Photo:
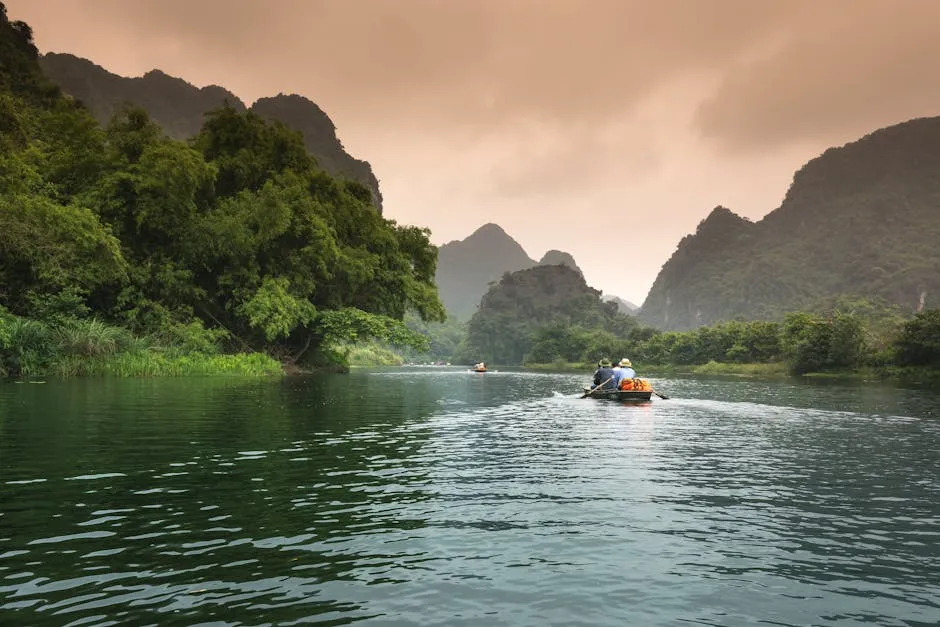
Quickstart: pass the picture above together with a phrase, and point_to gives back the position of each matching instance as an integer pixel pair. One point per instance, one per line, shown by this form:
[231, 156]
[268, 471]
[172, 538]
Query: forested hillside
[235, 240]
[860, 220]
[178, 108]
[542, 314]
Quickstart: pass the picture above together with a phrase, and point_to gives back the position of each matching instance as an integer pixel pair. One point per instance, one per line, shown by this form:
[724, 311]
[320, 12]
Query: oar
[662, 396]
[586, 394]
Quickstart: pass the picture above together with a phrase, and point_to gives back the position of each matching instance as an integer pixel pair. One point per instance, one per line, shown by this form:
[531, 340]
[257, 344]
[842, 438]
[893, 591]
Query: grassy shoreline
[88, 347]
[774, 370]
[155, 364]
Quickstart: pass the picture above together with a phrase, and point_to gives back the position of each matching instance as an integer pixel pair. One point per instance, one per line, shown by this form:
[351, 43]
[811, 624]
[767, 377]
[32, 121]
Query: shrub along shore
[74, 347]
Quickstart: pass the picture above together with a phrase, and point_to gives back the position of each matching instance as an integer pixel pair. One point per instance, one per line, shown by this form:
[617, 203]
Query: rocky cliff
[862, 219]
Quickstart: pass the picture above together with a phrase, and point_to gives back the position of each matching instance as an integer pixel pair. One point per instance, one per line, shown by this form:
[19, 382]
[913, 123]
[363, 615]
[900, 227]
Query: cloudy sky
[606, 128]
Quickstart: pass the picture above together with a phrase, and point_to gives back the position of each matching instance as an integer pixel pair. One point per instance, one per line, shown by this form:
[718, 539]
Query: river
[435, 496]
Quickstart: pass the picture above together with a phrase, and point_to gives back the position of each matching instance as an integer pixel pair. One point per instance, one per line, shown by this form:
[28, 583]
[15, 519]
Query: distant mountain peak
[296, 100]
[465, 268]
[624, 306]
[559, 258]
[721, 218]
[489, 230]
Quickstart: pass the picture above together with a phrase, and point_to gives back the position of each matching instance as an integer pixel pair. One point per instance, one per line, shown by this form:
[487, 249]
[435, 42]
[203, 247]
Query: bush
[191, 337]
[919, 343]
[26, 346]
[90, 338]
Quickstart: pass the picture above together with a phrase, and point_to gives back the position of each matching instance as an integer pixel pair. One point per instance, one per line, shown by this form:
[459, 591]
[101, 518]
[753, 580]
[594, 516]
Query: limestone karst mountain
[465, 268]
[862, 219]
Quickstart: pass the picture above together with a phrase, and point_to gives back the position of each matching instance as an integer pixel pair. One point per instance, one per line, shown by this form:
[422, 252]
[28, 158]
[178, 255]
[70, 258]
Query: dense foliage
[541, 312]
[237, 230]
[861, 219]
[548, 315]
[856, 334]
[179, 107]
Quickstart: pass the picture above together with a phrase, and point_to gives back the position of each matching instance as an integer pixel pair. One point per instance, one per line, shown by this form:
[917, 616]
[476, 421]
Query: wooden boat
[620, 395]
[479, 369]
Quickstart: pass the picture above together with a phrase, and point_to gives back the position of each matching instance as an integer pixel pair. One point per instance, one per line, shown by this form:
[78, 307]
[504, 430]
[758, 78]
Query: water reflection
[435, 496]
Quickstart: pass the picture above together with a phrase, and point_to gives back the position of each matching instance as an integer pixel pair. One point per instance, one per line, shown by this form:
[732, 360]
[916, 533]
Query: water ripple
[491, 500]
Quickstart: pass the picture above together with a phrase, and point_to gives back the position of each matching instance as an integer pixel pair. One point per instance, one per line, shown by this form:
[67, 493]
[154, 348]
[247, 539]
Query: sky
[605, 128]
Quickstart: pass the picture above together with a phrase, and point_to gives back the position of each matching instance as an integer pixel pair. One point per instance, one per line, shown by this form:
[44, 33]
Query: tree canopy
[238, 229]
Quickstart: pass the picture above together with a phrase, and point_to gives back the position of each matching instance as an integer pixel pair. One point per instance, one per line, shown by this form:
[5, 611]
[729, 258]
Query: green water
[428, 496]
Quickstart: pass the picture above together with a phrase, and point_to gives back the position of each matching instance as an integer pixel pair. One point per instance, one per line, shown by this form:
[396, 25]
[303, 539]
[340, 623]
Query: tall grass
[154, 364]
[26, 346]
[371, 354]
[90, 338]
[93, 348]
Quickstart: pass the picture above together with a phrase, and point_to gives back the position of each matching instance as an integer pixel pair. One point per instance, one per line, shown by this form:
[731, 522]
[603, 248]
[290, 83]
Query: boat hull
[620, 395]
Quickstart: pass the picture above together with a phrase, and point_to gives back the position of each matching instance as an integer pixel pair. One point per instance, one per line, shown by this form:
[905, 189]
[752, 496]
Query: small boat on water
[630, 390]
[620, 395]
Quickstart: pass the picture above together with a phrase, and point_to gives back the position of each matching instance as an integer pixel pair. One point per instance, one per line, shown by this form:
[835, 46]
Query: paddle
[662, 396]
[588, 393]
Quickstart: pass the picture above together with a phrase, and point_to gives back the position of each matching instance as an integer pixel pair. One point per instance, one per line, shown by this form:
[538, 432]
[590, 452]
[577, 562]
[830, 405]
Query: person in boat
[605, 376]
[480, 366]
[623, 370]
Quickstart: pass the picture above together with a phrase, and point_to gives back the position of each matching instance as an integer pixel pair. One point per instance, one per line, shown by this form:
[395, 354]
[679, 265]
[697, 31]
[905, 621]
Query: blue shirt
[603, 374]
[623, 373]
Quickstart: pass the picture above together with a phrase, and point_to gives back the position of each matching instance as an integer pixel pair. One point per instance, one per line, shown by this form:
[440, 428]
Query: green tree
[919, 342]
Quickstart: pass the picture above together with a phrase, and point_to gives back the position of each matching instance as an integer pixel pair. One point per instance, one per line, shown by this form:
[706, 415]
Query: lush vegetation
[548, 317]
[73, 346]
[542, 314]
[236, 233]
[861, 219]
[371, 354]
[856, 337]
[179, 108]
[444, 339]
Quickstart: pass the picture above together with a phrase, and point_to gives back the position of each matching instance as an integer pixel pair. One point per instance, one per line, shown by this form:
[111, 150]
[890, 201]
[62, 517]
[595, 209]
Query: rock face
[171, 102]
[320, 138]
[559, 258]
[862, 219]
[178, 107]
[466, 268]
[623, 306]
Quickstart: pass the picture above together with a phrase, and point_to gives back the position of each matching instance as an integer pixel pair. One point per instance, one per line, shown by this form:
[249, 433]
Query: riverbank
[151, 364]
[77, 348]
[774, 370]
